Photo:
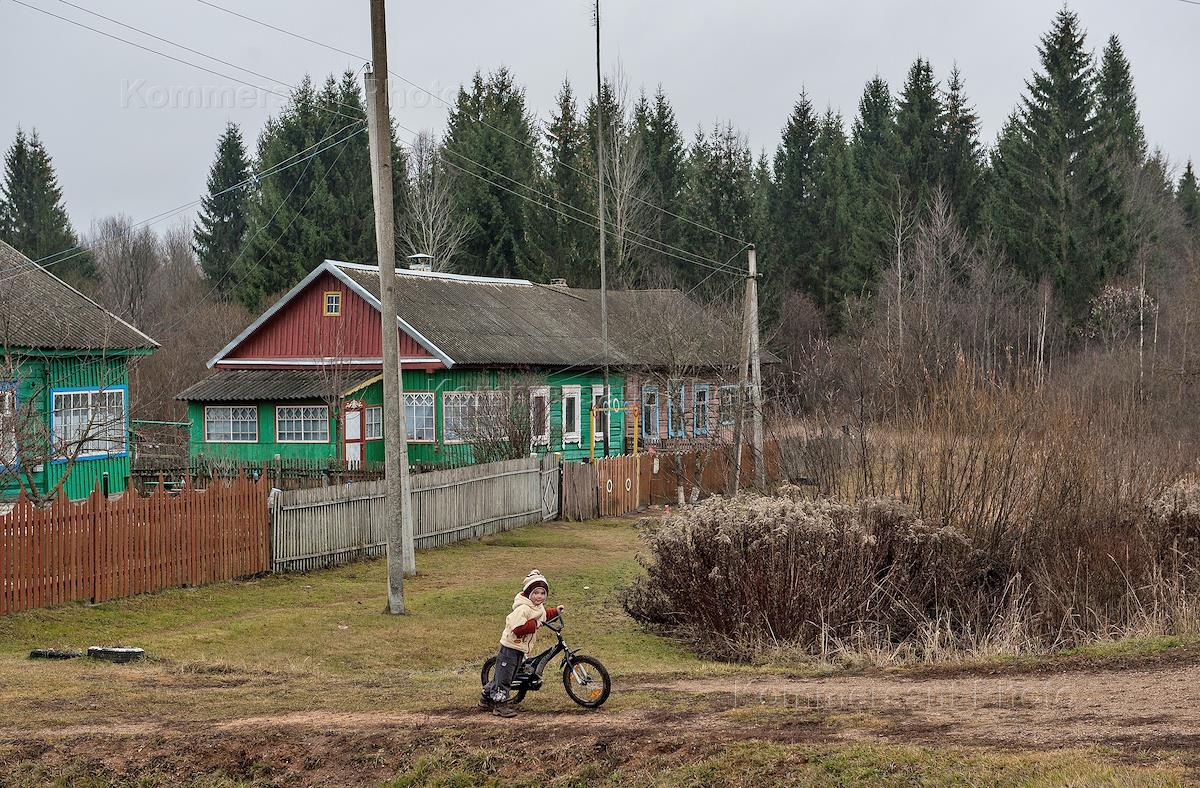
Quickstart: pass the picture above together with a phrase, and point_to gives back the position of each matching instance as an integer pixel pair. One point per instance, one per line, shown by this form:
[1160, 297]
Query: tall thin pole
[756, 396]
[600, 216]
[744, 366]
[400, 559]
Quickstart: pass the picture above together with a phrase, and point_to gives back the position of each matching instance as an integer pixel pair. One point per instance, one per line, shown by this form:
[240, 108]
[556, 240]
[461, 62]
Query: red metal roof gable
[302, 331]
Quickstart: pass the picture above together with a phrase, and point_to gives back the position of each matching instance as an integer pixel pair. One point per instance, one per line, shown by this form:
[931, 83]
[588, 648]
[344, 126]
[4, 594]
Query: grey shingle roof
[491, 322]
[39, 310]
[246, 385]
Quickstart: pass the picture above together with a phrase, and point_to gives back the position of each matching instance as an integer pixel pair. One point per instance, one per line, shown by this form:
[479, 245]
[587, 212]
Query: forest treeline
[1069, 219]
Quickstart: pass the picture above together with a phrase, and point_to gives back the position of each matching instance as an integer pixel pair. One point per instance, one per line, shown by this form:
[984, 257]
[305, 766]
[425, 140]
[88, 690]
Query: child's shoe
[504, 710]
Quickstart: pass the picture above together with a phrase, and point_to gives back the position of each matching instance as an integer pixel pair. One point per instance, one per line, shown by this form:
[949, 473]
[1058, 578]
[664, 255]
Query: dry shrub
[990, 518]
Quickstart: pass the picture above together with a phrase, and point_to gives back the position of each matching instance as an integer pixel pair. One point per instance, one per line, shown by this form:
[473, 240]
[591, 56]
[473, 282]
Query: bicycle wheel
[485, 676]
[587, 682]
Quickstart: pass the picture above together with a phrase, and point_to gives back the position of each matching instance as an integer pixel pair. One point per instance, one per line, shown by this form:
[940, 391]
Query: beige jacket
[523, 610]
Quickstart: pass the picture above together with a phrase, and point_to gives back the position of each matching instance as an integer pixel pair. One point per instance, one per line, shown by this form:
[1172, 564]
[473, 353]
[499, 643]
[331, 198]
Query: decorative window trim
[676, 390]
[410, 401]
[231, 408]
[697, 410]
[368, 422]
[727, 415]
[92, 455]
[303, 418]
[575, 436]
[470, 398]
[10, 408]
[599, 393]
[650, 389]
[331, 303]
[539, 433]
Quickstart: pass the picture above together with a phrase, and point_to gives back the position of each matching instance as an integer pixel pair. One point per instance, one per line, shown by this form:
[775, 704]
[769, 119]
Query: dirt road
[1143, 712]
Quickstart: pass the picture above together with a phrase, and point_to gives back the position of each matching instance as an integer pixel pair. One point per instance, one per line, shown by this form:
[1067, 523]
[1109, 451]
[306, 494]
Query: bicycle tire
[485, 675]
[590, 701]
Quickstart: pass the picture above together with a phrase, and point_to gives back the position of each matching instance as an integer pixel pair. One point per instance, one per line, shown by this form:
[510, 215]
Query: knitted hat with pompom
[532, 580]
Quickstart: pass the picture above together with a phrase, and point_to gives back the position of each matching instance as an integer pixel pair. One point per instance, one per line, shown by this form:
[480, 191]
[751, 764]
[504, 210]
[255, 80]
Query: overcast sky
[133, 132]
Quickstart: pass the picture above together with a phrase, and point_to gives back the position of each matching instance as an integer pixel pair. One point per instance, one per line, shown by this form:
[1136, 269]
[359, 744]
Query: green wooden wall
[38, 377]
[438, 452]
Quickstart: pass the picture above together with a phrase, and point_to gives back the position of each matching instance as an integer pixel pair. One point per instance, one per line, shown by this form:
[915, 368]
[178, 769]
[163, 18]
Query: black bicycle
[585, 679]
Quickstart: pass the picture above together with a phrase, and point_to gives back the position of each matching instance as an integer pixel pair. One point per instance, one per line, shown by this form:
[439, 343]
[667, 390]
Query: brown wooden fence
[100, 549]
[613, 486]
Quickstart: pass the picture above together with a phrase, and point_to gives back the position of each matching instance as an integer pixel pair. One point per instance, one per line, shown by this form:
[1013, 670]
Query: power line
[203, 68]
[448, 104]
[275, 169]
[172, 57]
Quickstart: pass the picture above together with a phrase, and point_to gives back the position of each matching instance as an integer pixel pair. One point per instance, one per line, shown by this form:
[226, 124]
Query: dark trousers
[507, 663]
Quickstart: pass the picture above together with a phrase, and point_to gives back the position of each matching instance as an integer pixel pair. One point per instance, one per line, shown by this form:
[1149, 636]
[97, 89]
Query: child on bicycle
[516, 641]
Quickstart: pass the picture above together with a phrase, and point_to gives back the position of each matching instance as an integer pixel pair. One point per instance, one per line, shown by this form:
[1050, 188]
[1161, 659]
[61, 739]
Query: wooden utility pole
[600, 216]
[756, 396]
[749, 377]
[400, 559]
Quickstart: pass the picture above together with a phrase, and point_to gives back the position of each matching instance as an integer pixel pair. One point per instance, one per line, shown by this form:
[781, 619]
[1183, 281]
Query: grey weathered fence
[325, 526]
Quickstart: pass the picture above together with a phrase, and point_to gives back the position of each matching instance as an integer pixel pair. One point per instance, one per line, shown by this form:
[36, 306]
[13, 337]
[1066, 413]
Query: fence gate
[551, 484]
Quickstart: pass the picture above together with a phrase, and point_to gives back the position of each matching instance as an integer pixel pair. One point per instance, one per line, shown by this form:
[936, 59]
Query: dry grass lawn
[301, 679]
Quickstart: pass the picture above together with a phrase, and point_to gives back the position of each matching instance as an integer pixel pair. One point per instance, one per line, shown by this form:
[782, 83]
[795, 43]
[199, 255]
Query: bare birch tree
[432, 224]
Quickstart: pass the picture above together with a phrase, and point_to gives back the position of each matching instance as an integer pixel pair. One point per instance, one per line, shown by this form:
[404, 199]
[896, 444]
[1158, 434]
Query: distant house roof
[40, 311]
[247, 385]
[514, 322]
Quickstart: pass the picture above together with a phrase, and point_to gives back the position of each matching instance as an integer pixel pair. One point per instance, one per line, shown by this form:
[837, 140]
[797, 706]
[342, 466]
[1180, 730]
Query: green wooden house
[491, 367]
[64, 386]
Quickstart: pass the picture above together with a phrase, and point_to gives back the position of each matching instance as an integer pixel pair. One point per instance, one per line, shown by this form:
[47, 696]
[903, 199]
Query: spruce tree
[1054, 202]
[500, 239]
[1118, 123]
[718, 193]
[33, 218]
[919, 137]
[321, 206]
[567, 248]
[788, 259]
[874, 184]
[833, 215]
[221, 223]
[665, 153]
[1188, 196]
[962, 166]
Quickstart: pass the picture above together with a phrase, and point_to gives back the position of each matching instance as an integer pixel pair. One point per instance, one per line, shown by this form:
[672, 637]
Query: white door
[354, 436]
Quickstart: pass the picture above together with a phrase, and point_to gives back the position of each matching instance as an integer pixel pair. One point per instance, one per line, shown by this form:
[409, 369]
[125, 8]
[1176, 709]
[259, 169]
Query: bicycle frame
[529, 675]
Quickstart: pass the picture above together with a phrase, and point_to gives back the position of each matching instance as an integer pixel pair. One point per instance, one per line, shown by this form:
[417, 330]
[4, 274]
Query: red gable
[303, 331]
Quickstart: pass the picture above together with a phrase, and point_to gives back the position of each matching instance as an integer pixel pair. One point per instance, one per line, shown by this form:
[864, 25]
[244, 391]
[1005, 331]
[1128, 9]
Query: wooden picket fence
[100, 549]
[332, 525]
[613, 486]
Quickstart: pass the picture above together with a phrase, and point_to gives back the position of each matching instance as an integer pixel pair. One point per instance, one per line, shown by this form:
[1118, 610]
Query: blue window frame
[650, 412]
[92, 423]
[700, 409]
[728, 408]
[676, 424]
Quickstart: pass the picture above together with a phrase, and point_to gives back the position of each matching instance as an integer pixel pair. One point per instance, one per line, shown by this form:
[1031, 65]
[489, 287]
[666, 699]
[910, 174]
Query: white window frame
[575, 436]
[539, 433]
[676, 399]
[701, 410]
[375, 411]
[650, 388]
[322, 416]
[731, 410]
[116, 449]
[600, 395]
[470, 399]
[420, 399]
[9, 456]
[208, 409]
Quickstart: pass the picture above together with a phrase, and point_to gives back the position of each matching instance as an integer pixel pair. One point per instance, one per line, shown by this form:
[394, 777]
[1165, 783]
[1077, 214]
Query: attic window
[333, 303]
